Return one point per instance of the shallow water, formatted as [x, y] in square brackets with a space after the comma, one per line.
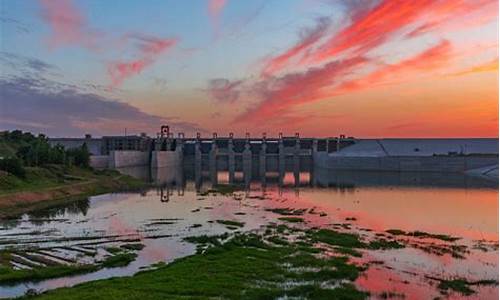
[160, 218]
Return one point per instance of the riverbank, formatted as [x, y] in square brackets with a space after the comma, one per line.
[55, 184]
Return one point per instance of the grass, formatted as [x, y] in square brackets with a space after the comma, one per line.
[348, 242]
[53, 269]
[245, 267]
[214, 240]
[383, 244]
[461, 285]
[133, 246]
[231, 223]
[331, 237]
[292, 219]
[222, 189]
[422, 234]
[119, 260]
[287, 211]
[10, 276]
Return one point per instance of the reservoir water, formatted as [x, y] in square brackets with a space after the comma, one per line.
[367, 203]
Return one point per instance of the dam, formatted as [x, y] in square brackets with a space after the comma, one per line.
[254, 156]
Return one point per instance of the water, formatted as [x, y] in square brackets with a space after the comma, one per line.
[371, 202]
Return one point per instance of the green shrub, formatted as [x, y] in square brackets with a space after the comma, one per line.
[13, 165]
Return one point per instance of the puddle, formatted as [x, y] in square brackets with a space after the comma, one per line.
[365, 203]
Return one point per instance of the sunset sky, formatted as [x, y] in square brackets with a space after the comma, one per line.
[363, 68]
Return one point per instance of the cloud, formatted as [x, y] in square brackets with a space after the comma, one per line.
[318, 83]
[490, 66]
[69, 27]
[341, 58]
[309, 37]
[279, 94]
[25, 64]
[20, 26]
[370, 25]
[223, 90]
[151, 48]
[215, 8]
[36, 105]
[430, 59]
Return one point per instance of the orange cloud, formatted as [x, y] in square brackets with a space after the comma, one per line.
[149, 52]
[491, 66]
[430, 59]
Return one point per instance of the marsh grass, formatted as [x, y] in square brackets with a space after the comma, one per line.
[244, 267]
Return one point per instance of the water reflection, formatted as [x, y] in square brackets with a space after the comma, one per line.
[304, 175]
[442, 203]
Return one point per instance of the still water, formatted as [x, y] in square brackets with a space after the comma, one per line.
[365, 203]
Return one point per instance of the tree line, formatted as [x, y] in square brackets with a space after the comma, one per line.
[35, 151]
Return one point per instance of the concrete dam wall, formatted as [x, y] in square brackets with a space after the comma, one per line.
[120, 159]
[233, 154]
[162, 159]
[413, 155]
[459, 164]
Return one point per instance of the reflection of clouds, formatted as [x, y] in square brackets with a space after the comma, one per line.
[156, 251]
[120, 227]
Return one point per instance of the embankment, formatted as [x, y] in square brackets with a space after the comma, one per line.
[18, 196]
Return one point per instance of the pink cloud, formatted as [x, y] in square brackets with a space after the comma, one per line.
[149, 52]
[279, 95]
[69, 27]
[215, 8]
[374, 26]
[378, 25]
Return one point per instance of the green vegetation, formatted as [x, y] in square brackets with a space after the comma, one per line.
[231, 223]
[133, 246]
[422, 234]
[287, 211]
[10, 276]
[348, 242]
[222, 189]
[461, 285]
[25, 148]
[119, 260]
[54, 185]
[245, 267]
[331, 237]
[383, 244]
[291, 219]
[54, 269]
[35, 175]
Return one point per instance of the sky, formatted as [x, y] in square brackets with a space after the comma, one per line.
[363, 68]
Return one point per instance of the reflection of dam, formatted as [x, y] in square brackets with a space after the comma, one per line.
[172, 181]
